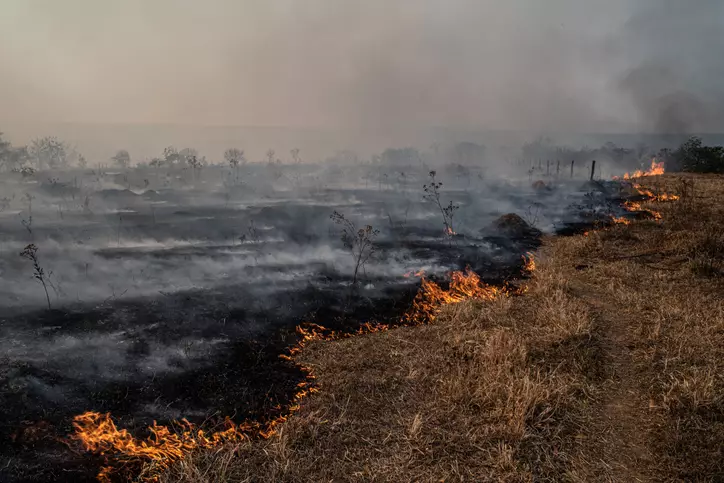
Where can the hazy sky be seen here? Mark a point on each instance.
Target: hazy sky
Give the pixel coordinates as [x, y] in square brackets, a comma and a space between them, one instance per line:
[613, 65]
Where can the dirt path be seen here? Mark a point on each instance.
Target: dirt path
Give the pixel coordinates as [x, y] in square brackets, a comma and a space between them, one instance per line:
[617, 440]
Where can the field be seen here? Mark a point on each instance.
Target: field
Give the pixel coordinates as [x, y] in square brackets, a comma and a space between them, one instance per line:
[609, 368]
[170, 296]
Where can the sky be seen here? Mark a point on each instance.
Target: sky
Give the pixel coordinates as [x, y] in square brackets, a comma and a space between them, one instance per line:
[565, 65]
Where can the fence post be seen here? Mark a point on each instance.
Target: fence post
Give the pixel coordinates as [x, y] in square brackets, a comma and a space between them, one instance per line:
[593, 168]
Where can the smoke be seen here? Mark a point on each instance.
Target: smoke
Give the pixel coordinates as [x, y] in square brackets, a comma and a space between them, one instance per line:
[675, 81]
[523, 65]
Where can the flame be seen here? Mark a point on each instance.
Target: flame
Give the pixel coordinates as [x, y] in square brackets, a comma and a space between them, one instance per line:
[98, 433]
[449, 231]
[666, 197]
[621, 221]
[431, 297]
[528, 263]
[632, 206]
[125, 453]
[656, 169]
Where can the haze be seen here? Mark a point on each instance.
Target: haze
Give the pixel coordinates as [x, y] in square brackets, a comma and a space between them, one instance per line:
[564, 65]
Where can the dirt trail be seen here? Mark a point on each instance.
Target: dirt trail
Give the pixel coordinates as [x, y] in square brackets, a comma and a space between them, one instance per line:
[617, 440]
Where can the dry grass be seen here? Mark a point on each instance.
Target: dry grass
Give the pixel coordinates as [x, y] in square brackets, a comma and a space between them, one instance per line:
[610, 368]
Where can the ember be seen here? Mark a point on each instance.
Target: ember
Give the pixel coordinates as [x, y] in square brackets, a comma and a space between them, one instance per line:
[621, 221]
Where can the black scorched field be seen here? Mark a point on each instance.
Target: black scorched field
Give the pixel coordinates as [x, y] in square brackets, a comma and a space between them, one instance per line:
[162, 295]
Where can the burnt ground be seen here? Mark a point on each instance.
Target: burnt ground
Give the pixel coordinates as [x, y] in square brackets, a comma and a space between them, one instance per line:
[608, 368]
[210, 352]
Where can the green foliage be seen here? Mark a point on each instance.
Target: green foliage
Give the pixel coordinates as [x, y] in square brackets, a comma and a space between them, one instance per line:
[693, 156]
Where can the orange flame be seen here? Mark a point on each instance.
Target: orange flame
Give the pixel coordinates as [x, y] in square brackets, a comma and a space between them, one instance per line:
[621, 221]
[632, 206]
[431, 297]
[656, 169]
[97, 433]
[528, 263]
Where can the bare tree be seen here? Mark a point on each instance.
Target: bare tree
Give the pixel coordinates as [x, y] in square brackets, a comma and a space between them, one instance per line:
[12, 158]
[196, 164]
[186, 154]
[235, 158]
[31, 253]
[295, 156]
[49, 152]
[270, 156]
[170, 156]
[432, 193]
[359, 241]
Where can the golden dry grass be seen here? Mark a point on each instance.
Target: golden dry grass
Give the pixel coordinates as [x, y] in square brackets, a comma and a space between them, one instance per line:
[610, 368]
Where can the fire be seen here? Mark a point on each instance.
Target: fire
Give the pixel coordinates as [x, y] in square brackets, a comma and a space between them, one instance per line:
[98, 433]
[528, 263]
[621, 221]
[666, 197]
[632, 206]
[431, 297]
[125, 453]
[656, 169]
[449, 231]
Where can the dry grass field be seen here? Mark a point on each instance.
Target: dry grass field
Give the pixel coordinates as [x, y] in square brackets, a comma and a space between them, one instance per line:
[609, 368]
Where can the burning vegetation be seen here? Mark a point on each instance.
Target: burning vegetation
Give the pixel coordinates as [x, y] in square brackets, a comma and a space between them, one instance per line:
[600, 371]
[381, 265]
[125, 454]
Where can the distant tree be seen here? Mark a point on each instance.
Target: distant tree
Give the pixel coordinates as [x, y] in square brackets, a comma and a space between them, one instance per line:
[235, 158]
[170, 156]
[195, 163]
[82, 162]
[270, 156]
[693, 156]
[12, 158]
[295, 156]
[48, 152]
[122, 159]
[5, 148]
[187, 154]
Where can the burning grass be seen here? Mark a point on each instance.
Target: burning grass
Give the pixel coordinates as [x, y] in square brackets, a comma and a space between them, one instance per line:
[165, 445]
[474, 396]
[607, 369]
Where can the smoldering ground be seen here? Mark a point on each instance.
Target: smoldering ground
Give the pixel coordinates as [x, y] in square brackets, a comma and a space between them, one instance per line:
[174, 299]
